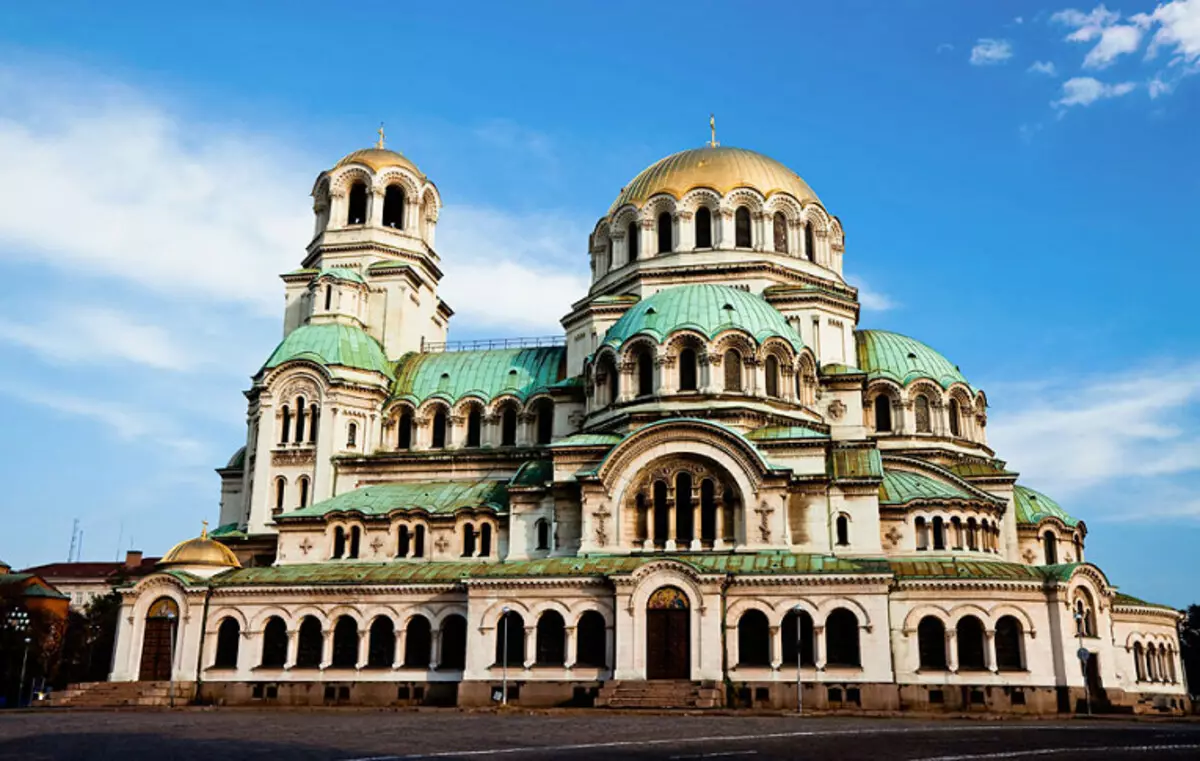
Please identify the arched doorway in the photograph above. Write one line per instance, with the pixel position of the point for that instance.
(668, 635)
(162, 623)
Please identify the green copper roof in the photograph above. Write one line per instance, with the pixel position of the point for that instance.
(961, 569)
(238, 460)
(441, 572)
(1131, 601)
(901, 487)
(1032, 507)
(341, 273)
(588, 440)
(855, 463)
(227, 531)
(902, 359)
(784, 433)
(967, 469)
(332, 344)
(452, 375)
(533, 473)
(433, 497)
(837, 368)
(706, 309)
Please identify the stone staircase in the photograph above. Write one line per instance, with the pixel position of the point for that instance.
(111, 694)
(660, 694)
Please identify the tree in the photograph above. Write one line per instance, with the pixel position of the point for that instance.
(1189, 647)
(88, 643)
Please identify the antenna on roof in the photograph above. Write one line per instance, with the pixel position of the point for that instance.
(120, 538)
(74, 535)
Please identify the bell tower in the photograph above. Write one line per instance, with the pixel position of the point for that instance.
(371, 261)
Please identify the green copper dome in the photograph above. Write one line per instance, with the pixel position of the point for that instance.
(1032, 507)
(452, 375)
(707, 309)
(882, 354)
(332, 344)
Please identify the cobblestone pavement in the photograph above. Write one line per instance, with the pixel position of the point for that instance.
(346, 735)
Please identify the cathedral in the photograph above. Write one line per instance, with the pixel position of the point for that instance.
(712, 489)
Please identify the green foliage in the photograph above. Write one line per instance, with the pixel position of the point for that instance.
(1189, 647)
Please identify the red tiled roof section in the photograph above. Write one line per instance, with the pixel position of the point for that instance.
(98, 571)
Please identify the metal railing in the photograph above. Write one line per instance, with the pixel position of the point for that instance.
(531, 342)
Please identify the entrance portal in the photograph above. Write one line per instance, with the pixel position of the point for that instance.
(157, 649)
(668, 635)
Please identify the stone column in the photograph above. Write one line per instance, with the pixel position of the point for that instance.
(247, 649)
(776, 648)
(724, 237)
(695, 544)
(364, 644)
(569, 659)
(952, 650)
(719, 539)
(685, 235)
(530, 646)
(819, 637)
(293, 649)
(435, 648)
(375, 213)
(649, 241)
(326, 648)
(989, 651)
(672, 514)
(398, 658)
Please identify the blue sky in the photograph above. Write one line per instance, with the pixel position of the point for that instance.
(1017, 181)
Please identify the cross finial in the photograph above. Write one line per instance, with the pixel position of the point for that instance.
(379, 144)
(204, 530)
(712, 126)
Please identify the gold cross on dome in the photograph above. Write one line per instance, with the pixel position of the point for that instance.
(712, 126)
(204, 530)
(379, 144)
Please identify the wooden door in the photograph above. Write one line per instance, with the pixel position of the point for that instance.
(156, 651)
(668, 644)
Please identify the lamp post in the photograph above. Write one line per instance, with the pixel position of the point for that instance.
(1084, 655)
(19, 620)
(504, 624)
(799, 659)
(171, 668)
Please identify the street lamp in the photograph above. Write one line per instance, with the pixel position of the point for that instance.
(19, 620)
(504, 624)
(799, 658)
(171, 667)
(1084, 655)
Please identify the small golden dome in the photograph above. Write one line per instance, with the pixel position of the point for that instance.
(201, 551)
(718, 167)
(379, 158)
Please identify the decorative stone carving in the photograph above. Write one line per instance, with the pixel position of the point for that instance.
(837, 410)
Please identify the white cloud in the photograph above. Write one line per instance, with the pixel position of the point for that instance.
(1073, 435)
(1100, 25)
(988, 52)
(871, 299)
(1179, 29)
(1043, 67)
(75, 334)
(1084, 91)
(1114, 41)
(1088, 26)
(943, 47)
(1158, 87)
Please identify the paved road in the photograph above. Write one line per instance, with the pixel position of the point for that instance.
(333, 735)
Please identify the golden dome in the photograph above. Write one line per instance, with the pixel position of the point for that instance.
(379, 158)
(720, 168)
(201, 551)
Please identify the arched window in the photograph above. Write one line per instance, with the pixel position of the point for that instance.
(684, 510)
(310, 643)
(468, 541)
(704, 236)
(543, 534)
(1050, 547)
(883, 413)
(1085, 614)
(939, 533)
(302, 482)
(485, 540)
(810, 243)
(328, 297)
(970, 644)
(403, 541)
(1151, 665)
(1139, 661)
(921, 412)
(1008, 644)
(551, 639)
(393, 207)
(510, 639)
(280, 493)
(228, 635)
(645, 372)
(301, 407)
(453, 654)
(404, 431)
(733, 370)
(544, 415)
(1078, 544)
(843, 531)
(797, 635)
(631, 241)
(439, 429)
(772, 373)
(664, 233)
(741, 228)
(508, 426)
(419, 542)
(779, 228)
(591, 641)
(922, 533)
(355, 535)
(972, 534)
(754, 639)
(954, 414)
(841, 639)
(351, 435)
(286, 425)
(356, 213)
(931, 644)
(339, 542)
(381, 645)
(957, 530)
(314, 414)
(474, 426)
(418, 640)
(687, 370)
(662, 513)
(275, 643)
